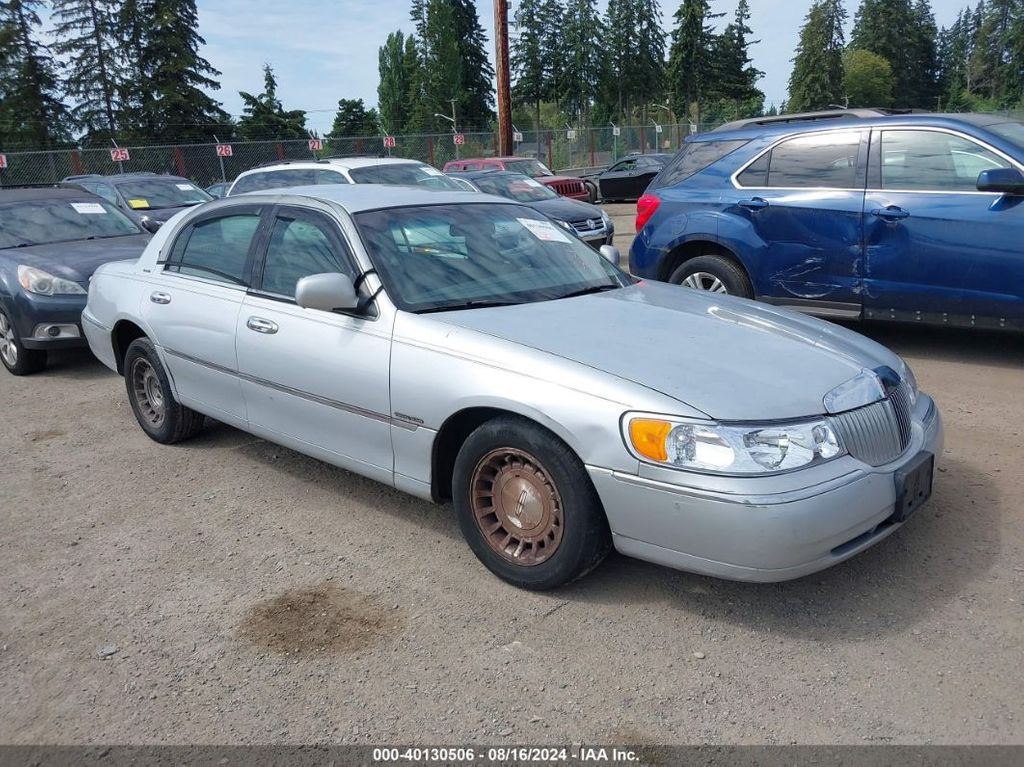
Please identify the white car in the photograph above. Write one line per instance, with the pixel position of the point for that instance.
(342, 170)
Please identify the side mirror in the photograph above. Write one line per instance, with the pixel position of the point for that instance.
(151, 225)
(611, 253)
(1001, 181)
(327, 292)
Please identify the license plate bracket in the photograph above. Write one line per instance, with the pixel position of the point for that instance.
(914, 485)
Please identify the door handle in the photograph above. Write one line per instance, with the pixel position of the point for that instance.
(757, 203)
(160, 298)
(891, 213)
(261, 325)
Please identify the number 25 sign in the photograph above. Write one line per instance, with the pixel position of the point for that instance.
(119, 155)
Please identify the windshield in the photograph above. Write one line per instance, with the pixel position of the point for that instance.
(439, 257)
(1011, 131)
(404, 174)
(516, 187)
(153, 194)
(528, 166)
(39, 222)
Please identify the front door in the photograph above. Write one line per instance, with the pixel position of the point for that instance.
(937, 249)
(192, 306)
(616, 182)
(804, 200)
(314, 378)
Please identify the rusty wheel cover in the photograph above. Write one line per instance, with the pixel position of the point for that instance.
(517, 507)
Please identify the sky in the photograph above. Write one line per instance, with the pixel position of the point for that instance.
(324, 50)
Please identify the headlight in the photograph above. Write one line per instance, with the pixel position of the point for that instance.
(607, 220)
(908, 375)
(45, 284)
(707, 446)
(564, 224)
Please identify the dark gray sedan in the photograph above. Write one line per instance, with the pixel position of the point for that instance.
(146, 198)
(51, 241)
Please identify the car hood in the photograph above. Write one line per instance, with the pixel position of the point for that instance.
(77, 260)
(729, 358)
(564, 209)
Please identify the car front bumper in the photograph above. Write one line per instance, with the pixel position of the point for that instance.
(761, 537)
(33, 314)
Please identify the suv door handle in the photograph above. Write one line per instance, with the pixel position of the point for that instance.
(261, 325)
(757, 203)
(891, 213)
(160, 298)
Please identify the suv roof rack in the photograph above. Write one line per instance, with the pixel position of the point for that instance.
(806, 117)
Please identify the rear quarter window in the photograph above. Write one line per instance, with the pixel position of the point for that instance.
(692, 159)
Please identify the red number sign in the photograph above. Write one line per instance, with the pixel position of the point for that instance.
(389, 142)
(315, 145)
(223, 150)
(460, 139)
(3, 161)
(119, 155)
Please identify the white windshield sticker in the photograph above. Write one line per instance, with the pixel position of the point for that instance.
(544, 230)
(185, 187)
(432, 171)
(91, 208)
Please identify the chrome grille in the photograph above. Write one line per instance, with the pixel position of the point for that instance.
(880, 432)
(588, 226)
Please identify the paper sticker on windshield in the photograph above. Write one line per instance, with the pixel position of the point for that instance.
(138, 203)
(532, 182)
(544, 230)
(432, 171)
(89, 208)
(185, 187)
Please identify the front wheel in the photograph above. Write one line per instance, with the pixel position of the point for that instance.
(162, 417)
(17, 359)
(714, 274)
(526, 505)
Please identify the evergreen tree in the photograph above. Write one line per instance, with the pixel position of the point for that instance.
(734, 82)
(582, 33)
(924, 57)
(32, 113)
(692, 57)
(396, 66)
(174, 76)
(133, 100)
(634, 62)
(86, 32)
(354, 119)
(440, 64)
(527, 57)
(817, 78)
(904, 33)
(867, 79)
(264, 117)
(476, 96)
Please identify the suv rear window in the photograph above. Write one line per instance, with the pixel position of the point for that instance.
(693, 158)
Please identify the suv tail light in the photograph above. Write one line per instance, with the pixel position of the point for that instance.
(645, 208)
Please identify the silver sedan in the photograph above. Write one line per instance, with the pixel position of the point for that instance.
(465, 347)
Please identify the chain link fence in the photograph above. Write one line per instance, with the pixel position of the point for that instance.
(204, 165)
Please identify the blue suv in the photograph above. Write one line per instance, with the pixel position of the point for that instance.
(855, 214)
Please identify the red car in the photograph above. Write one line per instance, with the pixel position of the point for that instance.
(567, 186)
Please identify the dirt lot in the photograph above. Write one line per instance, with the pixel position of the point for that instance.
(230, 591)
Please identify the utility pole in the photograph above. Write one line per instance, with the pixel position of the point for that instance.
(504, 95)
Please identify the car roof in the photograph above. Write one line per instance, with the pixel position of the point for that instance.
(356, 198)
(115, 177)
(47, 193)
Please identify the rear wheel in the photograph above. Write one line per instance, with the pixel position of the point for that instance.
(714, 274)
(162, 417)
(526, 505)
(16, 358)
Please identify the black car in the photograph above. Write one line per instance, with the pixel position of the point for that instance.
(146, 198)
(589, 222)
(51, 241)
(628, 178)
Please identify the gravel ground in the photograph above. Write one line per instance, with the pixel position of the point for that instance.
(227, 590)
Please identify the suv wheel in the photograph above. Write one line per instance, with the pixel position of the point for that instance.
(526, 505)
(715, 274)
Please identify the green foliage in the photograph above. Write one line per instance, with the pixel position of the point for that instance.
(476, 96)
(582, 33)
(903, 32)
(527, 57)
(397, 67)
(264, 117)
(354, 119)
(981, 57)
(692, 62)
(868, 79)
(817, 78)
(634, 68)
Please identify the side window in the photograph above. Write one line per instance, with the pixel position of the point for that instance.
(694, 157)
(933, 161)
(329, 177)
(300, 245)
(821, 160)
(216, 249)
(623, 166)
(251, 183)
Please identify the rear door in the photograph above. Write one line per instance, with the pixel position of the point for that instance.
(937, 249)
(193, 307)
(317, 378)
(804, 200)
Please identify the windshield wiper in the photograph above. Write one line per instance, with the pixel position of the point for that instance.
(588, 291)
(467, 305)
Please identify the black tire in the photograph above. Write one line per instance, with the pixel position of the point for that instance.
(591, 192)
(17, 359)
(724, 269)
(579, 540)
(162, 417)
